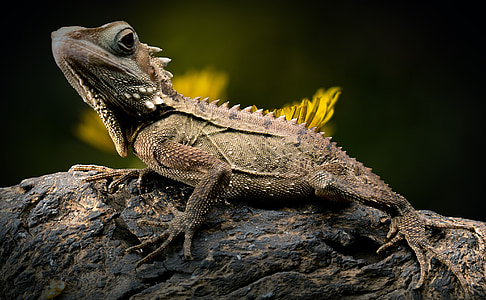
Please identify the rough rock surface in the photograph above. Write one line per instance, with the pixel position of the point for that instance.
(62, 237)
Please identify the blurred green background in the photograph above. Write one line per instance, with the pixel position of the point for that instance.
(412, 76)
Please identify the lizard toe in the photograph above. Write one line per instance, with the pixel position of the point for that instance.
(395, 240)
(119, 176)
(411, 227)
(85, 168)
(175, 227)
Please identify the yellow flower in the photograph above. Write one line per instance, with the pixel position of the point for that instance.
(204, 83)
(315, 113)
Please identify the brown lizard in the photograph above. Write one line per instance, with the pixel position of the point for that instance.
(224, 153)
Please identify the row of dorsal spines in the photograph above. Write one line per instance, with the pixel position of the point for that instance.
(253, 110)
(251, 118)
(312, 114)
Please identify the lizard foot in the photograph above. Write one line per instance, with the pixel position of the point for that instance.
(411, 227)
(118, 175)
(175, 227)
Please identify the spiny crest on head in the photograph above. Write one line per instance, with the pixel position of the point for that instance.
(152, 49)
(161, 61)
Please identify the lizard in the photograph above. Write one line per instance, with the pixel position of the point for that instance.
(223, 152)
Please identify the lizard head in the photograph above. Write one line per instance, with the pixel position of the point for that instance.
(116, 74)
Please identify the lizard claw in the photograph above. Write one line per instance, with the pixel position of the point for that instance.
(394, 235)
(416, 239)
(118, 175)
(175, 227)
(84, 168)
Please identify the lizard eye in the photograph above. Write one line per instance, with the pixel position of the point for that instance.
(126, 41)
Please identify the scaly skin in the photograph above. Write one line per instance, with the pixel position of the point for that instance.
(225, 153)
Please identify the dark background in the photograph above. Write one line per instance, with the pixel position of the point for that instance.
(412, 74)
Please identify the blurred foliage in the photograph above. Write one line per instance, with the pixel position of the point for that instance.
(213, 84)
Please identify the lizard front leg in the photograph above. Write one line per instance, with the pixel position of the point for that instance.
(406, 224)
(187, 164)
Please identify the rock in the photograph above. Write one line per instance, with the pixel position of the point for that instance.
(64, 238)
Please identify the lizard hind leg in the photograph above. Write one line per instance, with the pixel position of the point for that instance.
(406, 224)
